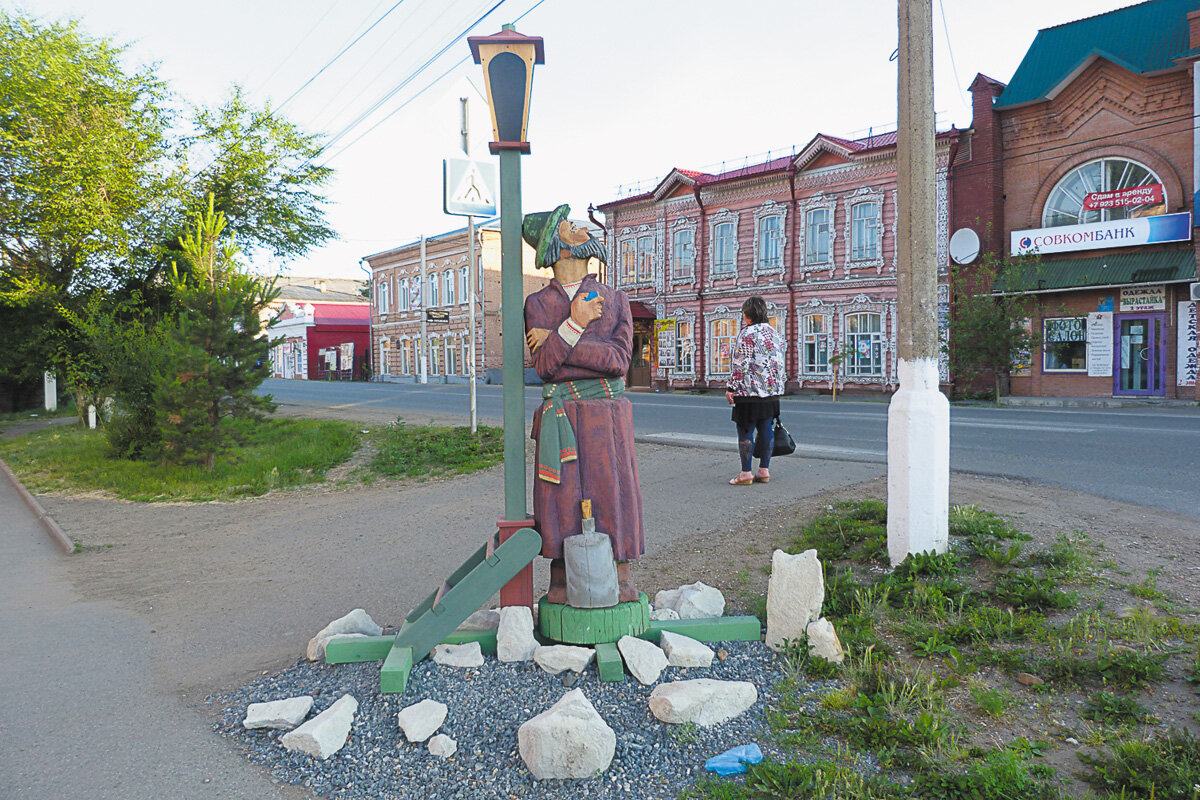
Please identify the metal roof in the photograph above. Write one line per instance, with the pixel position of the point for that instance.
(1152, 266)
(1148, 37)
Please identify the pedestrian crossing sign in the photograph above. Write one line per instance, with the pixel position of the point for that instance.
(469, 187)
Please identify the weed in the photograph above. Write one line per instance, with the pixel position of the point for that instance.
(1003, 773)
(1067, 560)
(1026, 591)
(1147, 589)
(998, 554)
(993, 702)
(934, 565)
(1110, 708)
(856, 531)
(1131, 669)
(1161, 766)
(800, 660)
(685, 733)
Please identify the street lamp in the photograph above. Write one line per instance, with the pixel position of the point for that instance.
(508, 58)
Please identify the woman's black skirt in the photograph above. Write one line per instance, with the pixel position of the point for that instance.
(749, 411)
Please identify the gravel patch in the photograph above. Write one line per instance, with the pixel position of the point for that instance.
(487, 705)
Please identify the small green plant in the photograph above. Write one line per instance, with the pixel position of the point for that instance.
(1131, 669)
(1026, 591)
(993, 702)
(1147, 589)
(998, 553)
(1111, 709)
(932, 646)
(800, 660)
(685, 733)
(856, 531)
(1162, 766)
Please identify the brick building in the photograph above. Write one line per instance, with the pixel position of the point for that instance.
(1084, 164)
(402, 289)
(322, 328)
(813, 233)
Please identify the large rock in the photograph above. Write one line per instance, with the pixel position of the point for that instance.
(664, 613)
(421, 720)
(561, 657)
(795, 595)
(702, 701)
(514, 636)
(357, 621)
(694, 601)
(568, 740)
(442, 746)
(326, 733)
(485, 619)
(278, 715)
(469, 654)
(684, 651)
(823, 641)
(645, 660)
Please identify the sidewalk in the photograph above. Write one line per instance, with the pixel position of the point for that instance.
(1097, 402)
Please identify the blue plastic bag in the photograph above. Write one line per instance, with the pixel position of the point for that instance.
(734, 760)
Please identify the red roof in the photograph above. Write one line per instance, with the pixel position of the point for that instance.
(357, 315)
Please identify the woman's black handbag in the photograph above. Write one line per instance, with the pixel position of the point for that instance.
(785, 445)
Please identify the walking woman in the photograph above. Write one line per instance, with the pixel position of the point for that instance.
(755, 386)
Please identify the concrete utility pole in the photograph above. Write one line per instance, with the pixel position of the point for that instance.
(919, 414)
(466, 145)
(424, 304)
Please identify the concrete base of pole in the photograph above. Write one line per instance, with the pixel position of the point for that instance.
(918, 463)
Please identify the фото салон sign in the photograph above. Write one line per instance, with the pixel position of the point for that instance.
(1098, 235)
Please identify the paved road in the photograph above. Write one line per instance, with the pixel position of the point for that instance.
(1148, 456)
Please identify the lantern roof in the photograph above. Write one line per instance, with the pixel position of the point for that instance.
(508, 35)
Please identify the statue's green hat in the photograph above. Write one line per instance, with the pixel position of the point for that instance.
(538, 228)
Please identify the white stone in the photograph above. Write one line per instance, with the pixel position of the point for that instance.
(568, 740)
(645, 660)
(664, 613)
(561, 657)
(485, 619)
(442, 746)
(469, 654)
(421, 720)
(357, 621)
(918, 467)
(684, 651)
(823, 641)
(326, 733)
(278, 715)
(795, 594)
(666, 599)
(514, 636)
(702, 701)
(694, 601)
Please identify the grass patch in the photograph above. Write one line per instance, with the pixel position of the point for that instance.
(404, 452)
(853, 530)
(1114, 709)
(1162, 766)
(271, 454)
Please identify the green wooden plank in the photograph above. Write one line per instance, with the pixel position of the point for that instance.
(609, 663)
(393, 676)
(715, 629)
(486, 639)
(368, 648)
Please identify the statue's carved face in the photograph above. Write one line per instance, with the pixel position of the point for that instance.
(571, 234)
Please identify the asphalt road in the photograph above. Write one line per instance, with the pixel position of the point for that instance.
(1149, 456)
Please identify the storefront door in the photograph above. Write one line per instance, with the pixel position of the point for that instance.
(1141, 352)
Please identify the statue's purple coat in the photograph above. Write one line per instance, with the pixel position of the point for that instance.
(606, 471)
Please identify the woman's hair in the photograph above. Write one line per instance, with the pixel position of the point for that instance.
(755, 310)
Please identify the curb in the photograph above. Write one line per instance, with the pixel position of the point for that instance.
(47, 522)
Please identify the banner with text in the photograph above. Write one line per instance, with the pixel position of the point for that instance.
(1148, 195)
(1188, 361)
(1096, 235)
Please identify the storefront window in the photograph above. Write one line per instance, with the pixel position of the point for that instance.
(815, 343)
(683, 347)
(1069, 203)
(1064, 347)
(864, 345)
(435, 356)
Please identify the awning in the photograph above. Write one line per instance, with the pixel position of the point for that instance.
(1117, 269)
(344, 315)
(639, 311)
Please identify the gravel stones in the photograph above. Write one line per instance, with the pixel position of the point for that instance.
(562, 657)
(645, 660)
(795, 594)
(514, 636)
(487, 706)
(458, 655)
(703, 701)
(420, 720)
(326, 733)
(442, 746)
(568, 740)
(694, 601)
(357, 621)
(278, 715)
(684, 651)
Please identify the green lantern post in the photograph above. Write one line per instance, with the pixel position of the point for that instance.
(508, 58)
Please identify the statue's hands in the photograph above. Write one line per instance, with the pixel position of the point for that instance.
(584, 311)
(535, 338)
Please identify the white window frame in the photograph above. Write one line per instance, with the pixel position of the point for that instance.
(627, 267)
(723, 265)
(815, 230)
(854, 200)
(728, 321)
(463, 288)
(864, 231)
(405, 358)
(401, 294)
(452, 366)
(449, 280)
(415, 283)
(1106, 185)
(435, 355)
(767, 262)
(645, 258)
(827, 203)
(381, 297)
(876, 366)
(815, 335)
(433, 281)
(683, 251)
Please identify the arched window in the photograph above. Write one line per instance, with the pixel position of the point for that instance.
(1068, 203)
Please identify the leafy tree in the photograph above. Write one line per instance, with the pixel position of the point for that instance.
(987, 331)
(215, 356)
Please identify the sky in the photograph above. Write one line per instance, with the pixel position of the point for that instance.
(629, 90)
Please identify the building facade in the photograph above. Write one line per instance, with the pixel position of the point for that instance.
(407, 290)
(1081, 172)
(319, 333)
(813, 233)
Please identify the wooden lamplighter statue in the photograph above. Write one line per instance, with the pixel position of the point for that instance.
(580, 333)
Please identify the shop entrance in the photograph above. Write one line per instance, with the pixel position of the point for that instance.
(1141, 352)
(642, 357)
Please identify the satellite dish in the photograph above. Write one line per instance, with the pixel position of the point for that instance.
(964, 246)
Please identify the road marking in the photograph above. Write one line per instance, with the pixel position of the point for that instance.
(1016, 426)
(730, 443)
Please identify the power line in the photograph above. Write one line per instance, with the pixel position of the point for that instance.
(950, 49)
(302, 40)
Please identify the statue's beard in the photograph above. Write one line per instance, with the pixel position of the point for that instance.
(592, 248)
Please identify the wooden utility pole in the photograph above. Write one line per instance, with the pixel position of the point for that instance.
(919, 414)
